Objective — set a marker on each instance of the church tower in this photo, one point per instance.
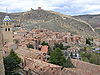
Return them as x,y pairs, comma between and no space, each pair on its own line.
7,32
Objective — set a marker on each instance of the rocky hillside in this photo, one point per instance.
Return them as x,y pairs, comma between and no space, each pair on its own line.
94,20
51,20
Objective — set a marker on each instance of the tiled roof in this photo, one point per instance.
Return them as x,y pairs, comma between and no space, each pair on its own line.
40,67
92,68
44,49
28,52
7,18
74,71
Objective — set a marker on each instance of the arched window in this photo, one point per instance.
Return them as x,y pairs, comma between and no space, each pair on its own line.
8,29
5,29
6,23
9,23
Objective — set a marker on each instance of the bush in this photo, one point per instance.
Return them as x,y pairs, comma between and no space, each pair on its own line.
11,62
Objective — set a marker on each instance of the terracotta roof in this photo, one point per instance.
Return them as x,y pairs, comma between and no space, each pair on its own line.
31,53
44,49
76,36
40,67
75,71
97,39
92,68
74,48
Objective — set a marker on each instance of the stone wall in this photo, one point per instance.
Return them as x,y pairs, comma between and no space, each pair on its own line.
1,64
2,71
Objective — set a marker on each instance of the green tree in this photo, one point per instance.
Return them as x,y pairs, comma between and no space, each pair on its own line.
89,41
71,55
44,43
30,46
95,59
11,63
57,57
69,63
66,47
61,46
57,45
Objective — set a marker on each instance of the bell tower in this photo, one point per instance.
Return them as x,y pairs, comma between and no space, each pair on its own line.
7,32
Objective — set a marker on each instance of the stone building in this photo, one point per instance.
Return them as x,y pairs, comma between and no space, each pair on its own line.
7,33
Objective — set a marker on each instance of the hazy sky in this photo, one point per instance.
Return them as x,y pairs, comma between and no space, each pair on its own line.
69,7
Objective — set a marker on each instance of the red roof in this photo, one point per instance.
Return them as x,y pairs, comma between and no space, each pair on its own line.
44,49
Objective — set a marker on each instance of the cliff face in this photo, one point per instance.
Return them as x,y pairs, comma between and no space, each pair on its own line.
52,20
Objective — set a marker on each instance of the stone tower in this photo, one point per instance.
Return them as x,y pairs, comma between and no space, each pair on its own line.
7,32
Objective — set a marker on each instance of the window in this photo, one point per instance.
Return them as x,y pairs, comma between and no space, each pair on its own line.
41,69
39,57
4,23
7,23
8,29
51,68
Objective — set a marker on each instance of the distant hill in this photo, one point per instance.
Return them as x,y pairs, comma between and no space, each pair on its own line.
94,20
53,21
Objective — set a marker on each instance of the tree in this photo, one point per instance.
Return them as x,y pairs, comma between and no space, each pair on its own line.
95,59
30,46
57,45
57,57
11,63
89,41
66,47
44,43
61,46
71,55
69,63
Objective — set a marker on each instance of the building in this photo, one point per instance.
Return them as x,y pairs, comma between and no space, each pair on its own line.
7,30
2,70
73,52
37,67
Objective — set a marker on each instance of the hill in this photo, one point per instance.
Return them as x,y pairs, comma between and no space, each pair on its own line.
94,20
51,20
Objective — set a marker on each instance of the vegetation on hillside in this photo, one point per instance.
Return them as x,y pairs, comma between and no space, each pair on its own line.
30,46
11,63
58,58
44,43
89,41
61,46
90,57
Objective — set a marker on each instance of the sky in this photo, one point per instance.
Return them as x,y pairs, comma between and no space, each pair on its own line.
68,7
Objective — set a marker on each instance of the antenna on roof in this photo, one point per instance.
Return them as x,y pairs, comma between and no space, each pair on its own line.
6,10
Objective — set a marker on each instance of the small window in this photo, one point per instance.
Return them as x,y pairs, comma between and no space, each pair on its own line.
8,29
39,57
3,23
7,23
41,69
51,68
